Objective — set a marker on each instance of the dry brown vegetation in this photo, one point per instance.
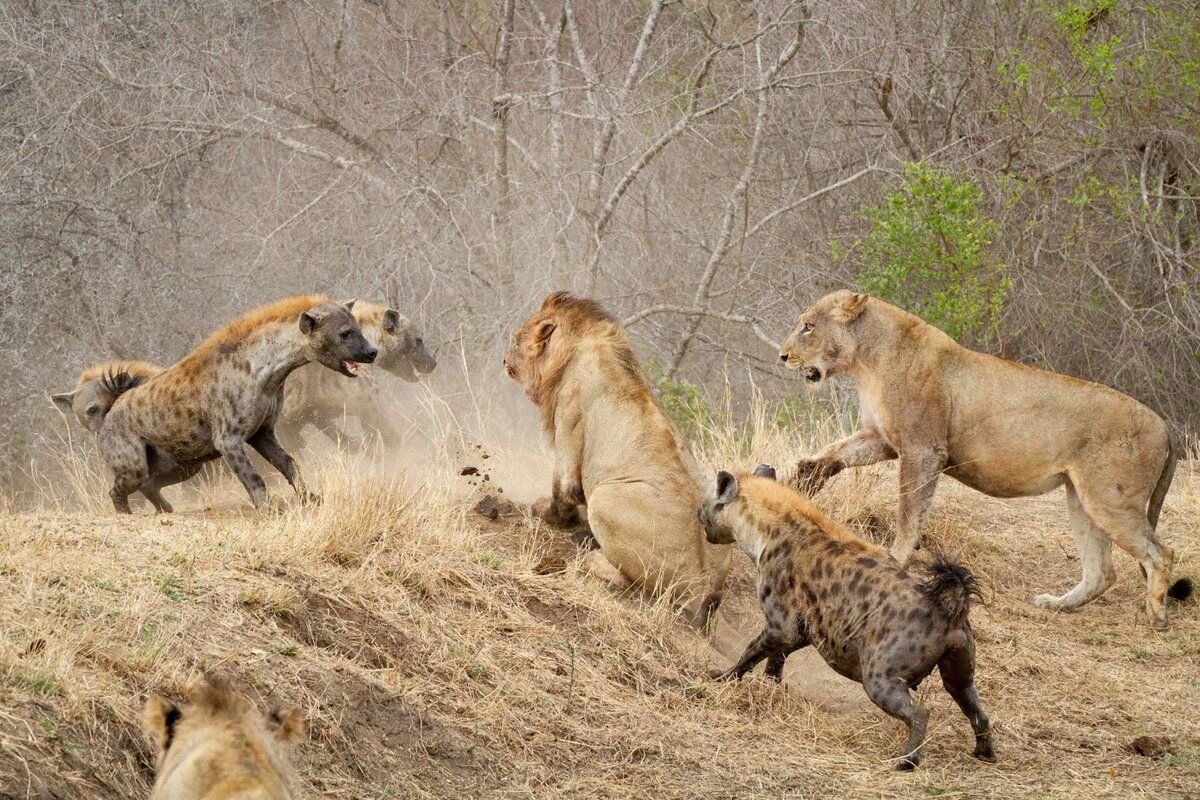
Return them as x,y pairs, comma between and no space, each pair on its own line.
438,653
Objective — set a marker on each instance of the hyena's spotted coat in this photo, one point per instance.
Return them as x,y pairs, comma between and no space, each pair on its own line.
871,619
227,393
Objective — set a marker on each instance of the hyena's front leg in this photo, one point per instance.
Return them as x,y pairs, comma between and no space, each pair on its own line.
233,450
267,446
127,459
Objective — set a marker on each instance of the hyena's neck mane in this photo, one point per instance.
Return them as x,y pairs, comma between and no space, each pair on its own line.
770,511
267,339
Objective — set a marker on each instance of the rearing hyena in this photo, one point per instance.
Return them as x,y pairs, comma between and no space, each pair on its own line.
227,393
323,399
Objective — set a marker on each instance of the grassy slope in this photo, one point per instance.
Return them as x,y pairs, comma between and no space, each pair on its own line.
438,654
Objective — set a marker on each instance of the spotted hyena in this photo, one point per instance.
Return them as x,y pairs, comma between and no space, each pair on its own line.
323,399
227,393
872,620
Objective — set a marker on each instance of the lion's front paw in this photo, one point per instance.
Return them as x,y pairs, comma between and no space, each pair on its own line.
555,512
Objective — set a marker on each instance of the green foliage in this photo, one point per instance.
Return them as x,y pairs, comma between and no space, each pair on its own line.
926,251
1096,54
683,401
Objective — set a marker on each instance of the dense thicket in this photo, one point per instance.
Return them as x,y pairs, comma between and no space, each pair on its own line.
1024,174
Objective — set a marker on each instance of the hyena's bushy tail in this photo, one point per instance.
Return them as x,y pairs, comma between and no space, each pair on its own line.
117,382
952,587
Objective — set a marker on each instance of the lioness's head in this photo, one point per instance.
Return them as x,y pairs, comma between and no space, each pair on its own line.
823,342
334,338
248,743
401,349
551,332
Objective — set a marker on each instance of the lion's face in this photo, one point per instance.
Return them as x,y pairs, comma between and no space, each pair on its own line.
524,358
823,342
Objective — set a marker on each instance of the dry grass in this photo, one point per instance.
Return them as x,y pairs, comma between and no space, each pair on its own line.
439,654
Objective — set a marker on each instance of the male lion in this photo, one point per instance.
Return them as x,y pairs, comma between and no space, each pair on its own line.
617,453
1006,429
219,747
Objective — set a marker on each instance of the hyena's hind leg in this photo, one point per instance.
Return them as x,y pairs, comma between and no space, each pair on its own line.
150,491
267,446
957,667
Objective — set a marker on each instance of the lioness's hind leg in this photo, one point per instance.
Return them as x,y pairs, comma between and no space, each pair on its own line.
1127,525
1095,558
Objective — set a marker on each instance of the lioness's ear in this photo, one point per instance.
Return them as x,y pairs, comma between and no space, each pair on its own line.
727,488
308,322
288,726
765,471
392,321
349,304
849,309
158,720
64,401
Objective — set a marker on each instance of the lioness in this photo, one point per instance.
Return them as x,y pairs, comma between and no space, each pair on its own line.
1005,429
218,747
617,453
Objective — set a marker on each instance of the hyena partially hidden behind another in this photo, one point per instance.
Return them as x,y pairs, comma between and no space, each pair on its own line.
870,618
323,399
227,393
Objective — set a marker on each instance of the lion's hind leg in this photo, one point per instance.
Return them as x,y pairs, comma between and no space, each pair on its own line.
1095,558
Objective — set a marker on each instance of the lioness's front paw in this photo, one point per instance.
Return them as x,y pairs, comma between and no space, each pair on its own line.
810,475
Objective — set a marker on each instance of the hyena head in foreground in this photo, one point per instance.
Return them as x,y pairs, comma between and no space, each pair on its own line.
98,388
334,339
402,350
219,746
872,620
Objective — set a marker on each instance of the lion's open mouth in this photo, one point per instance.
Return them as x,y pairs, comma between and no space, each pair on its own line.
350,368
812,374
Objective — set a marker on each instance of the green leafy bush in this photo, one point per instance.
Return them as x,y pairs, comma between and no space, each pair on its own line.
926,251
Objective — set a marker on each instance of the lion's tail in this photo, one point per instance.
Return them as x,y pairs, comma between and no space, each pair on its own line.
952,587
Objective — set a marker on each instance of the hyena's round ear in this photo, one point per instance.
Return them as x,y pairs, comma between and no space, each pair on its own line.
392,321
308,322
349,304
159,718
64,401
765,471
727,487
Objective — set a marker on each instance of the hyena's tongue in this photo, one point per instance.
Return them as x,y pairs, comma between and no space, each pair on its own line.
351,367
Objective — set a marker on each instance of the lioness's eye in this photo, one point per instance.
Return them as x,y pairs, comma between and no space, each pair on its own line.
806,328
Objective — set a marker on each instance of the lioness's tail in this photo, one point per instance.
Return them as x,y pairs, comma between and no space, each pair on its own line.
953,587
1182,588
1164,483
